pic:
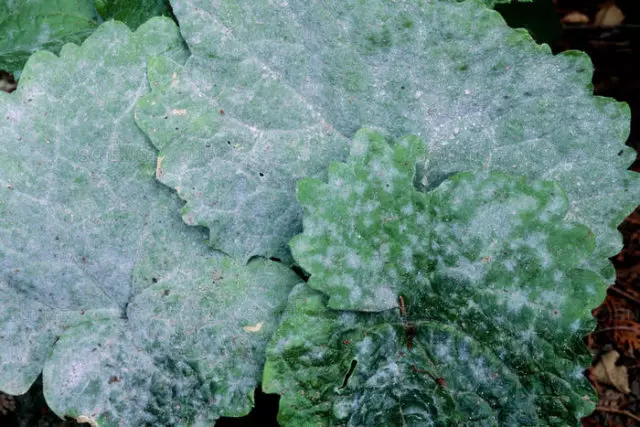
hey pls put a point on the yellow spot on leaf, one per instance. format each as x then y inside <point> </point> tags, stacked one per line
<point>174,80</point>
<point>159,171</point>
<point>84,419</point>
<point>179,111</point>
<point>255,328</point>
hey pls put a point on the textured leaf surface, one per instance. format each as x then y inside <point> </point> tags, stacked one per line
<point>233,140</point>
<point>132,13</point>
<point>131,315</point>
<point>30,25</point>
<point>483,96</point>
<point>482,274</point>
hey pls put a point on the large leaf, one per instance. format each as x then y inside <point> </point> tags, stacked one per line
<point>132,13</point>
<point>482,95</point>
<point>486,307</point>
<point>30,25</point>
<point>131,315</point>
<point>233,141</point>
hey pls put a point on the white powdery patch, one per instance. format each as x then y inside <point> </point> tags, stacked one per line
<point>342,409</point>
<point>480,371</point>
<point>558,276</point>
<point>315,355</point>
<point>283,344</point>
<point>384,294</point>
<point>421,219</point>
<point>367,221</point>
<point>443,352</point>
<point>576,373</point>
<point>355,293</point>
<point>407,209</point>
<point>529,334</point>
<point>557,206</point>
<point>509,264</point>
<point>515,299</point>
<point>371,206</point>
<point>388,374</point>
<point>407,266</point>
<point>353,260</point>
<point>491,220</point>
<point>348,318</point>
<point>365,348</point>
<point>575,325</point>
<point>551,298</point>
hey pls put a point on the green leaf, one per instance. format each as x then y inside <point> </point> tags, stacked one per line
<point>364,224</point>
<point>31,25</point>
<point>480,285</point>
<point>482,95</point>
<point>127,311</point>
<point>233,141</point>
<point>132,13</point>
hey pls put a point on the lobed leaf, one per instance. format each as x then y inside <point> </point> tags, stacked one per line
<point>483,304</point>
<point>232,142</point>
<point>132,318</point>
<point>482,95</point>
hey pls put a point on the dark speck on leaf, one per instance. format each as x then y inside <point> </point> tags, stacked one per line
<point>154,280</point>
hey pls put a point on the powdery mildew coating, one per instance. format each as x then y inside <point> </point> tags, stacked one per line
<point>131,316</point>
<point>357,247</point>
<point>480,94</point>
<point>495,299</point>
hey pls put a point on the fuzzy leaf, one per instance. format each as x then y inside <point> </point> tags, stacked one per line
<point>233,141</point>
<point>481,288</point>
<point>482,95</point>
<point>134,319</point>
<point>30,25</point>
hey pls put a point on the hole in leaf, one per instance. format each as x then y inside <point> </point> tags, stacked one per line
<point>264,413</point>
<point>351,369</point>
<point>301,273</point>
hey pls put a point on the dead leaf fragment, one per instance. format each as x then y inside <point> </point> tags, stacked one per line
<point>7,404</point>
<point>575,18</point>
<point>609,15</point>
<point>606,372</point>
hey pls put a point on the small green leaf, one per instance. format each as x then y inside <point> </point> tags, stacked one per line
<point>132,13</point>
<point>30,25</point>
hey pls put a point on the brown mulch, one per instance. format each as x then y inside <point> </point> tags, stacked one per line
<point>618,330</point>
